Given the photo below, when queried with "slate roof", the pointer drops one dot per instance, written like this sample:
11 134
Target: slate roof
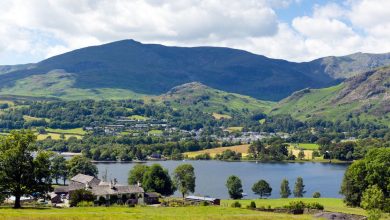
81 178
97 187
118 189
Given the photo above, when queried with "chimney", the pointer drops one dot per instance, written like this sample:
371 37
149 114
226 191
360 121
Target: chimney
138 184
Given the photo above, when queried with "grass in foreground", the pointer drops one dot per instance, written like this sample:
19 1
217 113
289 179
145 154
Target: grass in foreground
144 213
330 204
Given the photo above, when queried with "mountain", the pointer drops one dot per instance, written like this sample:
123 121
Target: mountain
129 68
197 95
347 66
364 96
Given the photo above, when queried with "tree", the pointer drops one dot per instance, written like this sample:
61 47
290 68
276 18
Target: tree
234 187
316 195
83 165
301 155
373 198
136 175
256 148
285 191
372 170
262 188
80 195
58 168
20 173
157 179
299 188
184 178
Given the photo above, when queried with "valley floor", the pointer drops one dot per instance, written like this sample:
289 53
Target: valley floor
223 212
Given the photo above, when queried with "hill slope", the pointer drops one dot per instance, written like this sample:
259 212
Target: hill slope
365 96
197 95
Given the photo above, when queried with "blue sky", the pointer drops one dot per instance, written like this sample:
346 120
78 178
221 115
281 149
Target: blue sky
296 30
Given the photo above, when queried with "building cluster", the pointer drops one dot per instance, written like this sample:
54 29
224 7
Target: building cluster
107 192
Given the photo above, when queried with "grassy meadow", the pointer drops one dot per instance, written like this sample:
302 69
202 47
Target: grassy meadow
238 148
223 212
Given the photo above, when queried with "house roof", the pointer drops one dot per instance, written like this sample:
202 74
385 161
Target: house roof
82 178
118 189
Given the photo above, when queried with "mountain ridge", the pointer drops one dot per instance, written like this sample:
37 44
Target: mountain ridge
153 69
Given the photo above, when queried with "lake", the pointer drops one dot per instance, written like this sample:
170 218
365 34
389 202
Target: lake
211 175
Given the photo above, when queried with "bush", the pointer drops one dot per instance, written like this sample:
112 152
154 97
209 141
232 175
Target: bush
316 195
85 204
296 206
252 205
236 204
374 214
204 203
79 196
315 205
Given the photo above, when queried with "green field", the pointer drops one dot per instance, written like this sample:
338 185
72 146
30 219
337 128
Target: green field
143 213
223 212
306 146
30 118
57 136
75 131
155 132
330 204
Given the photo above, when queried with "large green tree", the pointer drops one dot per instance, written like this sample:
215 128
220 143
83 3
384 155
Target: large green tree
234 186
83 165
157 179
20 173
136 175
372 170
262 188
184 178
285 191
59 168
299 188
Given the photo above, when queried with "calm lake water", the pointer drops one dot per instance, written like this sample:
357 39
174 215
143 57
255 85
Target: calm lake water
211 175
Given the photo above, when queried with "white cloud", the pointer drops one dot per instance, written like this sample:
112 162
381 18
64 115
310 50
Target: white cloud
42 28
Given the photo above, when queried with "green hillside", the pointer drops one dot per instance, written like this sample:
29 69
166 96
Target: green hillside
364 97
59 84
197 95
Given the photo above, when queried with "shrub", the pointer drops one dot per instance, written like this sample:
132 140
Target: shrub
204 203
252 205
374 214
85 204
316 195
236 204
315 205
80 195
296 206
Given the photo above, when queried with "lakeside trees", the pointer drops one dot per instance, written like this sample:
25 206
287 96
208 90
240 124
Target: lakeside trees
262 188
20 173
59 168
234 186
136 175
274 149
157 179
83 165
285 191
184 179
367 179
299 188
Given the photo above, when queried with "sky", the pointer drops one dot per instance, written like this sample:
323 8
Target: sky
295 30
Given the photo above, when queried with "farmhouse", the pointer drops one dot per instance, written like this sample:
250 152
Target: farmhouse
104 191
